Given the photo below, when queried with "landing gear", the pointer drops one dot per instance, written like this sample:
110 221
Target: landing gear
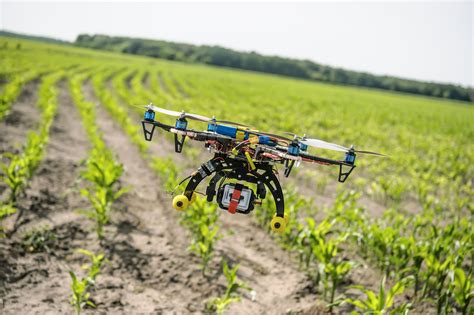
235 197
180 202
278 224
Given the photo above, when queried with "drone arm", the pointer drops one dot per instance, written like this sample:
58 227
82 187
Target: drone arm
148 132
317 159
271 181
158 124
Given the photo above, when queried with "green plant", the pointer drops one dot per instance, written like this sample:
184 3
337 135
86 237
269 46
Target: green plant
231 294
12 89
463 291
382 302
22 166
201 220
38 240
17 169
167 170
103 174
81 287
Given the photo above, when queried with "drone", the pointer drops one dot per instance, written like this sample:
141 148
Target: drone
243 157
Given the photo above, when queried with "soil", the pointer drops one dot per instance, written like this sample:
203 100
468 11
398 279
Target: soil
23 116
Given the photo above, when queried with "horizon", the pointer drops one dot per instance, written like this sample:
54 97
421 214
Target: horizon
447 59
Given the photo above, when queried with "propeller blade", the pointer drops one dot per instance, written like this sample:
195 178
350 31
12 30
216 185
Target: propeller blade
164 111
369 152
192 116
197 117
177 114
327 145
324 145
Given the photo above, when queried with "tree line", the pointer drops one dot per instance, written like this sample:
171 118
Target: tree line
304 69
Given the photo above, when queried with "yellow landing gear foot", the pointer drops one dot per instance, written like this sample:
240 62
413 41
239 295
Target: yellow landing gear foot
180 202
285 217
278 224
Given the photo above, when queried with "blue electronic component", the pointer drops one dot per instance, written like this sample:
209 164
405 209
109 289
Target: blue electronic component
226 130
350 158
266 140
149 115
303 147
181 124
211 127
293 149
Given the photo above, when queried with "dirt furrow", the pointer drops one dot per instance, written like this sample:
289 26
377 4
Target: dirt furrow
163 86
180 89
152 271
23 117
38 283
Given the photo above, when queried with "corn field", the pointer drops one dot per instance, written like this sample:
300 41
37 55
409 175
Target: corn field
79 184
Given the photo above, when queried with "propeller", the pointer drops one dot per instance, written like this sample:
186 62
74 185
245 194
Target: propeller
321 144
369 152
183 114
177 114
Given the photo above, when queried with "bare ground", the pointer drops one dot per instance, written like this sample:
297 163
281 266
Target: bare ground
23 116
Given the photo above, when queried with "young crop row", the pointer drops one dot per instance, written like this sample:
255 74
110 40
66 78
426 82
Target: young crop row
102 173
199 218
18 169
12 89
102 170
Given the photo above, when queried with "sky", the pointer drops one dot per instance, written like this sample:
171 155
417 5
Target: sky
424 40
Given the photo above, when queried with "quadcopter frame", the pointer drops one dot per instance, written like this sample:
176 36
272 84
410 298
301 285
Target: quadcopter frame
232 160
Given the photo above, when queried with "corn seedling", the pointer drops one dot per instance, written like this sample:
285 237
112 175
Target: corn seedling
81 287
167 171
21 167
231 294
11 90
201 220
38 240
381 303
463 291
103 174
